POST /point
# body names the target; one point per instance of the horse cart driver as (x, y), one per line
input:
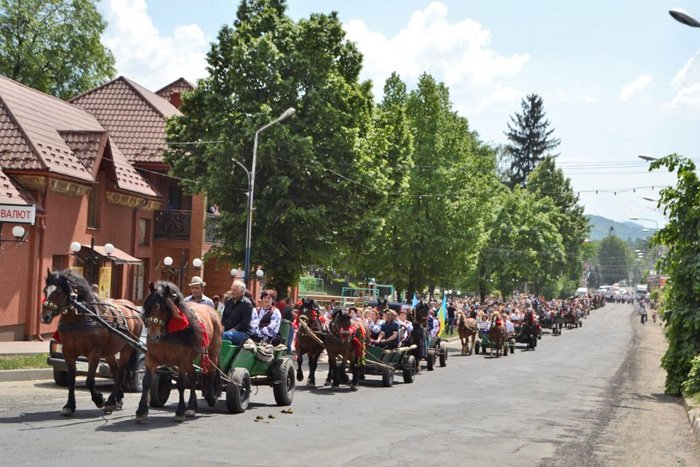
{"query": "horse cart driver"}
(389, 333)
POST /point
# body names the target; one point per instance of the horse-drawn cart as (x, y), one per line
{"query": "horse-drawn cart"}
(384, 362)
(483, 343)
(437, 349)
(242, 367)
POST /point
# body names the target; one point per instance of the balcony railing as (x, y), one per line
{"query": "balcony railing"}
(210, 229)
(172, 225)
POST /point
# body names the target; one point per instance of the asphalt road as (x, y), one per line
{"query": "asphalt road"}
(579, 399)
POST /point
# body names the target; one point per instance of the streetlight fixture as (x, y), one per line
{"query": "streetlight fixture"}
(653, 200)
(92, 259)
(182, 269)
(683, 17)
(251, 189)
(647, 157)
(18, 232)
(635, 218)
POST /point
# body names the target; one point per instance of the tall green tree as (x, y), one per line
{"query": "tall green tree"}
(529, 138)
(54, 45)
(524, 245)
(681, 235)
(613, 258)
(317, 184)
(549, 181)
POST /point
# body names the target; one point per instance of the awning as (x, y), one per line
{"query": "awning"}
(117, 257)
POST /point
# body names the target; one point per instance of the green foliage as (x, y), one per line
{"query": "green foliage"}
(529, 138)
(681, 235)
(692, 384)
(614, 259)
(524, 243)
(318, 182)
(54, 45)
(549, 181)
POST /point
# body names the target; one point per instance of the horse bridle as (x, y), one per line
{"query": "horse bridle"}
(59, 310)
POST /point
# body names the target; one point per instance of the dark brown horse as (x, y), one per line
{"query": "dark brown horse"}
(171, 343)
(467, 329)
(309, 339)
(80, 334)
(497, 335)
(348, 340)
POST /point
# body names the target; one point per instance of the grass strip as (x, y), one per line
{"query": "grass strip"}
(18, 362)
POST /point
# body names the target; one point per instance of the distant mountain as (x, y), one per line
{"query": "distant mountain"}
(624, 230)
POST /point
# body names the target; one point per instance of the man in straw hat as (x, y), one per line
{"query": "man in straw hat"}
(197, 292)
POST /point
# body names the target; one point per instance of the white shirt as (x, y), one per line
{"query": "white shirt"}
(272, 329)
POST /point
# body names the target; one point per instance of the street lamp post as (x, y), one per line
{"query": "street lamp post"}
(251, 188)
(182, 269)
(635, 218)
(92, 259)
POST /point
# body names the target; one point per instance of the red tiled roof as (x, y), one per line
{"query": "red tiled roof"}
(134, 116)
(86, 145)
(180, 85)
(39, 117)
(127, 177)
(9, 193)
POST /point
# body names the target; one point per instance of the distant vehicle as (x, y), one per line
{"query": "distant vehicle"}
(641, 290)
(581, 292)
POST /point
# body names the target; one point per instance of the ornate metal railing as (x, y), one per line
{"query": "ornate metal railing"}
(172, 225)
(211, 225)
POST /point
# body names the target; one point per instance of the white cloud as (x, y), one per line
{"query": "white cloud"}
(634, 87)
(458, 54)
(145, 54)
(686, 83)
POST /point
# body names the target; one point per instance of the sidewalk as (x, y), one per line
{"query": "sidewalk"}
(24, 348)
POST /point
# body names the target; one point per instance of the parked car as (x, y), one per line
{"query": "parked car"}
(60, 369)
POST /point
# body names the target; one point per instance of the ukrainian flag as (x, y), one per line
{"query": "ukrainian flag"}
(442, 313)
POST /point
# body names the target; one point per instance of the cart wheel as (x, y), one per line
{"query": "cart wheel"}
(160, 388)
(387, 377)
(431, 359)
(443, 354)
(238, 394)
(283, 376)
(409, 369)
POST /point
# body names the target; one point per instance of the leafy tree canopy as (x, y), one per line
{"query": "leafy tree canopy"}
(54, 45)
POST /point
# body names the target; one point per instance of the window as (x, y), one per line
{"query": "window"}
(92, 220)
(139, 279)
(59, 262)
(174, 198)
(144, 232)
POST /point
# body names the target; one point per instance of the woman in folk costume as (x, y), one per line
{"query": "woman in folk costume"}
(265, 325)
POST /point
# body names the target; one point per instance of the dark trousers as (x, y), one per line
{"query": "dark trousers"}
(450, 325)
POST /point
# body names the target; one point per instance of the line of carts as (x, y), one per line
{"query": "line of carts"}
(243, 367)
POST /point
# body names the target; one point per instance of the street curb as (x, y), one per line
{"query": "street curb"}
(25, 375)
(693, 418)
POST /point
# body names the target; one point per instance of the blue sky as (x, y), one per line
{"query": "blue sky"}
(617, 78)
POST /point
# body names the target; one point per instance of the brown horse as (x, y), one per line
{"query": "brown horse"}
(467, 329)
(309, 339)
(348, 340)
(179, 346)
(80, 334)
(497, 335)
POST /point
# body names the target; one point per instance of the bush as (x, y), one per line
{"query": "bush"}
(692, 384)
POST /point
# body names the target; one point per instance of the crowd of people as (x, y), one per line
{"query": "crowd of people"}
(388, 327)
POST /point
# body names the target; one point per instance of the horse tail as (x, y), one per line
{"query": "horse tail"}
(131, 366)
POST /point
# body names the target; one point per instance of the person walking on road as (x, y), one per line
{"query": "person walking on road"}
(643, 311)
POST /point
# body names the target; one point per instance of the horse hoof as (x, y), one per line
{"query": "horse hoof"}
(119, 405)
(211, 401)
(335, 385)
(300, 376)
(67, 411)
(354, 387)
(179, 418)
(327, 383)
(108, 409)
(99, 403)
(309, 384)
(189, 413)
(141, 418)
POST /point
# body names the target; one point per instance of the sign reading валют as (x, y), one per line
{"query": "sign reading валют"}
(17, 214)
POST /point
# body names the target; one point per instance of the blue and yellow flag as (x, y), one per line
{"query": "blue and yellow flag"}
(442, 313)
